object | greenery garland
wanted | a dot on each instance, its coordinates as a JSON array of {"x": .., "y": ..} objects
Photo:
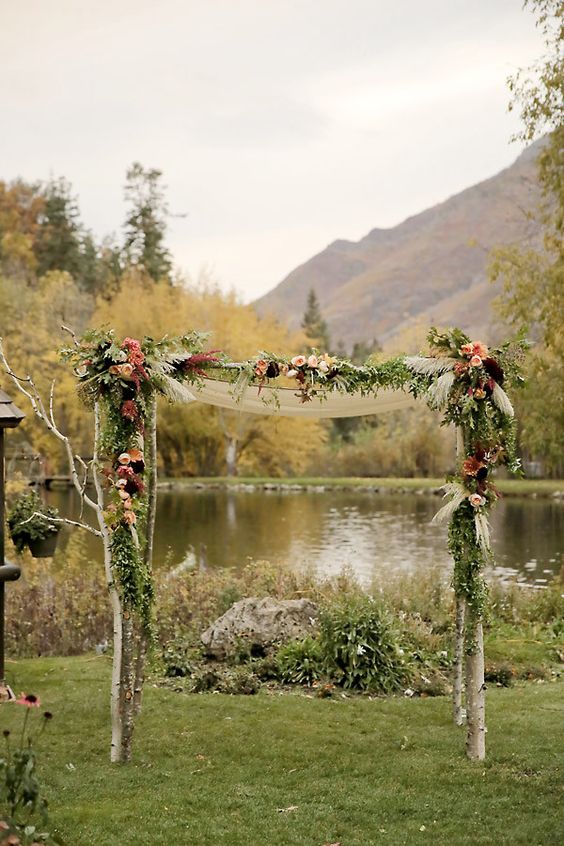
[{"x": 461, "y": 378}]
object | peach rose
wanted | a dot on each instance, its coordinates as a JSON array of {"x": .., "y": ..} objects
[
  {"x": 467, "y": 349},
  {"x": 478, "y": 348},
  {"x": 312, "y": 361},
  {"x": 479, "y": 393},
  {"x": 114, "y": 369},
  {"x": 476, "y": 500},
  {"x": 124, "y": 458},
  {"x": 261, "y": 366},
  {"x": 298, "y": 360},
  {"x": 129, "y": 517},
  {"x": 135, "y": 455},
  {"x": 124, "y": 495},
  {"x": 125, "y": 370},
  {"x": 475, "y": 361},
  {"x": 284, "y": 369}
]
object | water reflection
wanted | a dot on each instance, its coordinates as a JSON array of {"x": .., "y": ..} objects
[{"x": 372, "y": 534}]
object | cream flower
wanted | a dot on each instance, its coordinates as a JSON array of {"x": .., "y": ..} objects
[
  {"x": 125, "y": 370},
  {"x": 312, "y": 361},
  {"x": 291, "y": 374},
  {"x": 475, "y": 361},
  {"x": 476, "y": 500},
  {"x": 323, "y": 367},
  {"x": 298, "y": 360},
  {"x": 124, "y": 458}
]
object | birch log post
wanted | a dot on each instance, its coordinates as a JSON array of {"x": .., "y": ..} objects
[
  {"x": 150, "y": 451},
  {"x": 457, "y": 685},
  {"x": 475, "y": 692}
]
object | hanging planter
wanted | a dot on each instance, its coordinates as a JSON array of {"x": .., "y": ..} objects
[
  {"x": 31, "y": 524},
  {"x": 44, "y": 547}
]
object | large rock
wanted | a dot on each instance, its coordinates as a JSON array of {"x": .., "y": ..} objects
[{"x": 260, "y": 623}]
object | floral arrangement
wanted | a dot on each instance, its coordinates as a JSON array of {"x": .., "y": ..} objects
[
  {"x": 463, "y": 379},
  {"x": 317, "y": 374},
  {"x": 123, "y": 378}
]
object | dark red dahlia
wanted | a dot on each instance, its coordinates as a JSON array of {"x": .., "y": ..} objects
[
  {"x": 493, "y": 369},
  {"x": 129, "y": 410}
]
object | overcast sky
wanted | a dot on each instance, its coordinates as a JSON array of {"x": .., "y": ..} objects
[{"x": 280, "y": 125}]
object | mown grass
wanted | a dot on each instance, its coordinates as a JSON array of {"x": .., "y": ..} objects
[
  {"x": 288, "y": 770},
  {"x": 510, "y": 487}
]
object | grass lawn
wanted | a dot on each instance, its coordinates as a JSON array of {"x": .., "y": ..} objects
[
  {"x": 283, "y": 770},
  {"x": 510, "y": 487}
]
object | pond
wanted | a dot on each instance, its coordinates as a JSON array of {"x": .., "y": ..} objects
[{"x": 373, "y": 534}]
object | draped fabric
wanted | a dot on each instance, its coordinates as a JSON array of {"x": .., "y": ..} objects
[{"x": 286, "y": 402}]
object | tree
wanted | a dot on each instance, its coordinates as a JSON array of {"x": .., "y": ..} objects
[
  {"x": 58, "y": 245},
  {"x": 533, "y": 280},
  {"x": 21, "y": 207},
  {"x": 314, "y": 325},
  {"x": 145, "y": 225}
]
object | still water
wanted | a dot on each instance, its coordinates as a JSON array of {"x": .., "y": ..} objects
[{"x": 372, "y": 534}]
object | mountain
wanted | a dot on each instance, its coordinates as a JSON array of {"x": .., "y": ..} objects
[{"x": 430, "y": 269}]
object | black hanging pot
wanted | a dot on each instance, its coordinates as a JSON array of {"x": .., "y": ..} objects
[{"x": 44, "y": 547}]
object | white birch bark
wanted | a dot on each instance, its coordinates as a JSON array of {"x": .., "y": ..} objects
[
  {"x": 457, "y": 686},
  {"x": 151, "y": 470},
  {"x": 458, "y": 668},
  {"x": 475, "y": 694}
]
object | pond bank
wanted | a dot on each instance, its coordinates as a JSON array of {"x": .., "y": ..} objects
[{"x": 533, "y": 488}]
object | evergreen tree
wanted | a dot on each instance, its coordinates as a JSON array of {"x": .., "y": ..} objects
[
  {"x": 145, "y": 225},
  {"x": 58, "y": 241},
  {"x": 314, "y": 325}
]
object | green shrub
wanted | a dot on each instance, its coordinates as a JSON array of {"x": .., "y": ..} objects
[
  {"x": 178, "y": 659},
  {"x": 231, "y": 680},
  {"x": 360, "y": 647},
  {"x": 300, "y": 662},
  {"x": 501, "y": 674}
]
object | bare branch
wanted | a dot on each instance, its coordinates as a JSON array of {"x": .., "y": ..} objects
[
  {"x": 66, "y": 520},
  {"x": 37, "y": 404},
  {"x": 71, "y": 333}
]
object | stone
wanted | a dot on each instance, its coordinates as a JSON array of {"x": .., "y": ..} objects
[{"x": 260, "y": 623}]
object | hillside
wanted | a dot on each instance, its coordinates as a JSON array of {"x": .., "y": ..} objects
[{"x": 432, "y": 268}]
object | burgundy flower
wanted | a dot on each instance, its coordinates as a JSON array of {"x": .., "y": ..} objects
[
  {"x": 471, "y": 466},
  {"x": 195, "y": 363},
  {"x": 493, "y": 369},
  {"x": 272, "y": 370},
  {"x": 129, "y": 410}
]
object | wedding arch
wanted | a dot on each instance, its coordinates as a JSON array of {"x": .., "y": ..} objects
[{"x": 120, "y": 381}]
